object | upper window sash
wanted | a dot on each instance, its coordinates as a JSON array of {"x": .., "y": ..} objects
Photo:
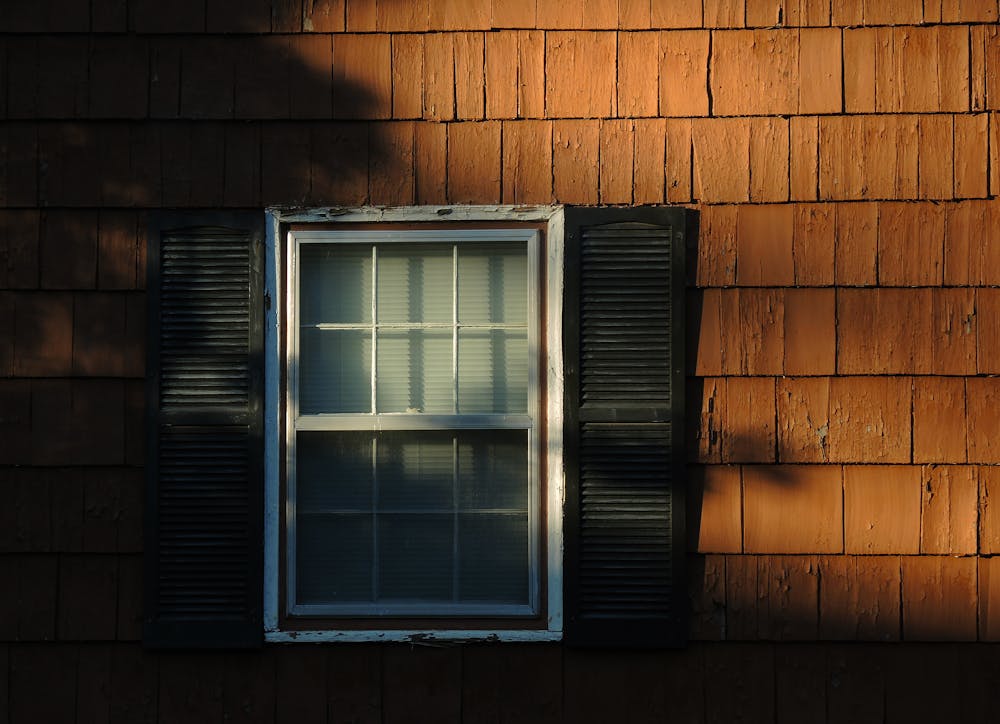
[{"x": 373, "y": 417}]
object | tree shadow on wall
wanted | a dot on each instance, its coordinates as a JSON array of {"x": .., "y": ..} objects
[{"x": 239, "y": 121}]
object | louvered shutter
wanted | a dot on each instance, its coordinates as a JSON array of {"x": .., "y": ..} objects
[
  {"x": 624, "y": 516},
  {"x": 204, "y": 525}
]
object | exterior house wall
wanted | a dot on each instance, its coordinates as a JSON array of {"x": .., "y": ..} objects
[{"x": 843, "y": 319}]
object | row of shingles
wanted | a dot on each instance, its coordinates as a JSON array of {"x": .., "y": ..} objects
[
  {"x": 856, "y": 420},
  {"x": 362, "y": 15},
  {"x": 812, "y": 332},
  {"x": 830, "y": 683},
  {"x": 506, "y": 74},
  {"x": 534, "y": 683},
  {"x": 160, "y": 164},
  {"x": 857, "y": 244},
  {"x": 715, "y": 683},
  {"x": 63, "y": 249},
  {"x": 236, "y": 164},
  {"x": 523, "y": 683},
  {"x": 802, "y": 159},
  {"x": 706, "y": 683},
  {"x": 855, "y": 509},
  {"x": 71, "y": 421},
  {"x": 808, "y": 158},
  {"x": 184, "y": 16},
  {"x": 136, "y": 77},
  {"x": 940, "y": 68},
  {"x": 72, "y": 596},
  {"x": 261, "y": 16},
  {"x": 845, "y": 597},
  {"x": 121, "y": 683},
  {"x": 218, "y": 165},
  {"x": 215, "y": 164}
]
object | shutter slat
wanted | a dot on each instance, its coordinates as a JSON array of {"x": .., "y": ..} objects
[
  {"x": 205, "y": 472},
  {"x": 624, "y": 397}
]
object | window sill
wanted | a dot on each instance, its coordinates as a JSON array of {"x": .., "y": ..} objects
[{"x": 412, "y": 637}]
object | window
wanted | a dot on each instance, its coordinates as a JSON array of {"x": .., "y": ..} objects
[
  {"x": 413, "y": 423},
  {"x": 400, "y": 424}
]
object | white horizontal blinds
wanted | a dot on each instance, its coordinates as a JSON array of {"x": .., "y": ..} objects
[
  {"x": 493, "y": 557},
  {"x": 492, "y": 371},
  {"x": 415, "y": 557},
  {"x": 493, "y": 328},
  {"x": 335, "y": 284},
  {"x": 493, "y": 284},
  {"x": 421, "y": 323},
  {"x": 415, "y": 472},
  {"x": 334, "y": 525},
  {"x": 334, "y": 558},
  {"x": 414, "y": 334},
  {"x": 335, "y": 368},
  {"x": 404, "y": 517},
  {"x": 493, "y": 517},
  {"x": 414, "y": 371},
  {"x": 414, "y": 284},
  {"x": 334, "y": 472},
  {"x": 335, "y": 356},
  {"x": 499, "y": 456}
]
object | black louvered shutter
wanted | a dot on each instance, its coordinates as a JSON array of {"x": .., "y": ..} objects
[
  {"x": 204, "y": 459},
  {"x": 624, "y": 517}
]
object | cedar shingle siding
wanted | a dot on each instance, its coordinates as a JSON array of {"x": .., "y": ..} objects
[{"x": 842, "y": 326}]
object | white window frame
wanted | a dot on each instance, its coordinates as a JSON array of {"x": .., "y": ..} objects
[{"x": 549, "y": 459}]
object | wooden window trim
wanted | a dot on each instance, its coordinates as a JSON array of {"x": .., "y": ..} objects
[{"x": 546, "y": 624}]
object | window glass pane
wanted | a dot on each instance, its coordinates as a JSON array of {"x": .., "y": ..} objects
[
  {"x": 492, "y": 284},
  {"x": 414, "y": 284},
  {"x": 333, "y": 471},
  {"x": 493, "y": 557},
  {"x": 333, "y": 558},
  {"x": 415, "y": 556},
  {"x": 335, "y": 370},
  {"x": 336, "y": 283},
  {"x": 493, "y": 370},
  {"x": 493, "y": 469},
  {"x": 414, "y": 371},
  {"x": 416, "y": 470}
]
